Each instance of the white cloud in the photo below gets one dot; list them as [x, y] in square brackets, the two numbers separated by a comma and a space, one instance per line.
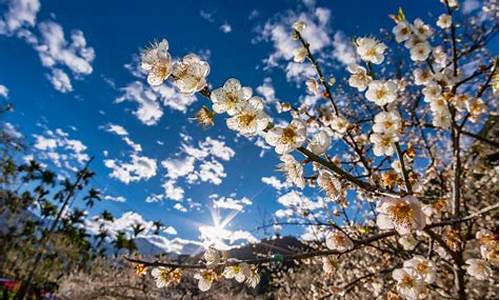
[115, 198]
[207, 16]
[195, 164]
[4, 91]
[150, 100]
[343, 49]
[230, 203]
[226, 27]
[275, 183]
[296, 201]
[139, 168]
[173, 192]
[20, 13]
[60, 80]
[149, 111]
[223, 238]
[266, 89]
[180, 207]
[116, 129]
[62, 151]
[469, 6]
[253, 14]
[54, 50]
[169, 97]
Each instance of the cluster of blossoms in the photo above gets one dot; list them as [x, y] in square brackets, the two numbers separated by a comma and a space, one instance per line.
[413, 276]
[241, 272]
[480, 268]
[406, 214]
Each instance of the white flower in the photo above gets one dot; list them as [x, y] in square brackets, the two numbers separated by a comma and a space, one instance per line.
[339, 241]
[421, 30]
[253, 278]
[205, 279]
[320, 143]
[329, 264]
[230, 97]
[402, 31]
[287, 139]
[403, 214]
[239, 272]
[190, 74]
[408, 285]
[381, 92]
[312, 86]
[160, 275]
[387, 123]
[444, 21]
[293, 170]
[425, 269]
[157, 62]
[251, 119]
[432, 91]
[299, 26]
[442, 119]
[414, 40]
[371, 50]
[330, 184]
[422, 77]
[440, 56]
[383, 144]
[420, 52]
[439, 105]
[212, 256]
[478, 268]
[164, 276]
[476, 107]
[339, 124]
[408, 242]
[359, 78]
[300, 55]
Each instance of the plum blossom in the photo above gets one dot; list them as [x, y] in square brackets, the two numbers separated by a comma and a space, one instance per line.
[387, 123]
[408, 286]
[239, 272]
[421, 30]
[420, 52]
[444, 21]
[425, 269]
[165, 276]
[476, 107]
[293, 170]
[339, 124]
[229, 98]
[329, 264]
[320, 143]
[286, 139]
[205, 279]
[478, 268]
[422, 76]
[403, 214]
[402, 31]
[299, 26]
[383, 143]
[370, 50]
[381, 92]
[253, 278]
[190, 74]
[250, 119]
[359, 78]
[157, 62]
[300, 55]
[337, 240]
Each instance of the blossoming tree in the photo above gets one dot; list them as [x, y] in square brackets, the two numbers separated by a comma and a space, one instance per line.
[408, 198]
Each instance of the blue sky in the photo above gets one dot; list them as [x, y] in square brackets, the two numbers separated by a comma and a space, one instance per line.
[86, 83]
